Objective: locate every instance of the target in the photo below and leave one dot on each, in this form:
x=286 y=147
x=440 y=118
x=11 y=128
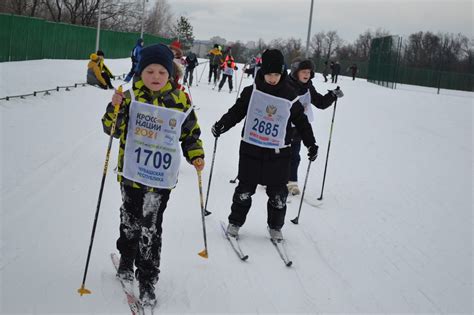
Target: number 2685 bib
x=267 y=117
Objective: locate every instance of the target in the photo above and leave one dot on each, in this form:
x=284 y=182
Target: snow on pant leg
x=130 y=217
x=276 y=205
x=241 y=203
x=295 y=160
x=149 y=244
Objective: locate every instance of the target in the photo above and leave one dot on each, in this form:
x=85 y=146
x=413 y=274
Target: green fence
x=384 y=60
x=26 y=38
x=385 y=69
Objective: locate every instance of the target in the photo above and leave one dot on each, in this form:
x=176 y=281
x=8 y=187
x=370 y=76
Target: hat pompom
x=175 y=45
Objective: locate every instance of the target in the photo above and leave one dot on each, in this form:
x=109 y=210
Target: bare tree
x=333 y=42
x=293 y=49
x=316 y=45
x=159 y=19
x=55 y=9
x=325 y=44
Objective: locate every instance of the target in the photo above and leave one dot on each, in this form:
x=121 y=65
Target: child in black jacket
x=302 y=71
x=270 y=106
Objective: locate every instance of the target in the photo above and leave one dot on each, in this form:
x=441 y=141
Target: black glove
x=217 y=129
x=313 y=152
x=235 y=68
x=337 y=92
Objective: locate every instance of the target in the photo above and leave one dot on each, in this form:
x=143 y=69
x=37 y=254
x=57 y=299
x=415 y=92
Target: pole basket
x=203 y=254
x=83 y=291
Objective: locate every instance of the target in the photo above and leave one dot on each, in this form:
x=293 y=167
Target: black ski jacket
x=318 y=100
x=265 y=166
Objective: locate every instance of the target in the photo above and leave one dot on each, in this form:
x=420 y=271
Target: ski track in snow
x=394 y=234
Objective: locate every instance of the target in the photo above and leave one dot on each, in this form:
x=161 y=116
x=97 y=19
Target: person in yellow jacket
x=155 y=123
x=94 y=75
x=105 y=71
x=215 y=60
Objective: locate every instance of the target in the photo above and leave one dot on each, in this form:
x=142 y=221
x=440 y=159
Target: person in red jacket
x=228 y=68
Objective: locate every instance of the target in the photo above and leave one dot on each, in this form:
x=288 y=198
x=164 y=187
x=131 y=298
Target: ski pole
x=205 y=64
x=82 y=290
x=295 y=220
x=233 y=181
x=240 y=84
x=327 y=154
x=190 y=95
x=202 y=253
x=207 y=212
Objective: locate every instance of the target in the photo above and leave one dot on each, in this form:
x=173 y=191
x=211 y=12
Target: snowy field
x=394 y=234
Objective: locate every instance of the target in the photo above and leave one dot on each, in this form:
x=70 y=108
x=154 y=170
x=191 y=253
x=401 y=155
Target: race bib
x=305 y=100
x=152 y=150
x=267 y=117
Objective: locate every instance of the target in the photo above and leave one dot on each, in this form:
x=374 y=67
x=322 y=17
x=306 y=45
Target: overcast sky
x=247 y=20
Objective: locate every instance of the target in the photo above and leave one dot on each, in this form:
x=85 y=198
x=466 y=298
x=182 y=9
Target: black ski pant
x=131 y=73
x=276 y=204
x=188 y=73
x=334 y=78
x=107 y=80
x=213 y=70
x=141 y=216
x=224 y=77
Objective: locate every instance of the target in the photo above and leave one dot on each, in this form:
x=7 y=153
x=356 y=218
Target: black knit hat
x=159 y=54
x=100 y=53
x=273 y=61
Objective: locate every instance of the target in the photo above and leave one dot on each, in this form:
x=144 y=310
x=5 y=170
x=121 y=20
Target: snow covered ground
x=394 y=234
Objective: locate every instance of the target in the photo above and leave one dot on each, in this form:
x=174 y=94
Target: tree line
x=117 y=15
x=441 y=51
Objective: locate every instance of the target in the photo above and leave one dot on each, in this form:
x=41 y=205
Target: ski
x=281 y=249
x=132 y=301
x=234 y=242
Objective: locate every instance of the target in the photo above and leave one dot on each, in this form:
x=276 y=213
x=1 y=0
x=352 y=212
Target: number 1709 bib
x=152 y=150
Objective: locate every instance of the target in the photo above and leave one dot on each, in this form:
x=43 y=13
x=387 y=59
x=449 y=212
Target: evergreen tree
x=183 y=30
